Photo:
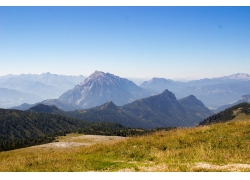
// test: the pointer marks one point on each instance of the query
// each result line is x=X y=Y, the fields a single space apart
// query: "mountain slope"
x=164 y=110
x=41 y=108
x=111 y=113
x=45 y=85
x=244 y=98
x=213 y=92
x=228 y=114
x=101 y=87
x=62 y=105
x=195 y=106
x=10 y=97
x=160 y=84
x=25 y=128
x=222 y=147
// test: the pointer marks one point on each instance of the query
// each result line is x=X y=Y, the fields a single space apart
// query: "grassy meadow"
x=221 y=147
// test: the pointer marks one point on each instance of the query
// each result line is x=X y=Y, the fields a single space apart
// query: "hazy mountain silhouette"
x=212 y=92
x=244 y=98
x=101 y=87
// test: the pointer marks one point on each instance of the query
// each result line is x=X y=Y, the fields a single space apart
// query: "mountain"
x=244 y=98
x=41 y=108
x=238 y=77
x=228 y=114
x=26 y=128
x=195 y=106
x=62 y=105
x=45 y=85
x=10 y=97
x=160 y=84
x=162 y=110
x=101 y=87
x=216 y=95
x=111 y=113
x=213 y=92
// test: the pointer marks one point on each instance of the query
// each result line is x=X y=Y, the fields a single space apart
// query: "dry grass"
x=219 y=147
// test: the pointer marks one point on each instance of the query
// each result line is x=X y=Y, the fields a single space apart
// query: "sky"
x=173 y=42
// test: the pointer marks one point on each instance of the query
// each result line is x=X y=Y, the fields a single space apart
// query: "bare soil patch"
x=82 y=140
x=228 y=167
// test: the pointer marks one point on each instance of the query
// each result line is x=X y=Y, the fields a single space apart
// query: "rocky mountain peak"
x=191 y=100
x=101 y=87
x=240 y=76
x=191 y=97
x=167 y=94
x=109 y=105
x=96 y=76
x=245 y=98
x=157 y=80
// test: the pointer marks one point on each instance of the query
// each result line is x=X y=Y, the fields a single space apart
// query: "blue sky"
x=170 y=42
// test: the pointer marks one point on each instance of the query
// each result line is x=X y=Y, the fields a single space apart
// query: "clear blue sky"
x=169 y=42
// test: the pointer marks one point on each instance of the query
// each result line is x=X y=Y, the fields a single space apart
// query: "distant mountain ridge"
x=10 y=97
x=228 y=114
x=212 y=92
x=48 y=109
x=162 y=110
x=62 y=105
x=165 y=110
x=101 y=87
x=244 y=98
x=45 y=85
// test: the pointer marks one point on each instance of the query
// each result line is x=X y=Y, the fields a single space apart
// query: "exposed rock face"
x=101 y=87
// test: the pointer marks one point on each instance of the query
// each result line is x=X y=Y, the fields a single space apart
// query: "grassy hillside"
x=217 y=147
x=228 y=114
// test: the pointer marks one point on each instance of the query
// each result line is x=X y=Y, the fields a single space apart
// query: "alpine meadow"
x=125 y=89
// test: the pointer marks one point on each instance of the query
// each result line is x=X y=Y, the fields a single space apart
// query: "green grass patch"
x=177 y=150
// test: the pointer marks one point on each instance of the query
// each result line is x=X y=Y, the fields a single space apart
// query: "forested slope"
x=21 y=128
x=227 y=114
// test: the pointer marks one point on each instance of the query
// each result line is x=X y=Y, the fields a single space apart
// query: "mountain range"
x=82 y=93
x=244 y=98
x=242 y=109
x=162 y=110
x=10 y=97
x=101 y=87
x=65 y=106
x=213 y=92
x=44 y=86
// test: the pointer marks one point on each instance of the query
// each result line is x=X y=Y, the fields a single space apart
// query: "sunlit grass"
x=208 y=148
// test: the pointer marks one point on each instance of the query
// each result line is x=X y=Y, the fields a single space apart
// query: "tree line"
x=22 y=129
